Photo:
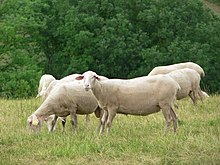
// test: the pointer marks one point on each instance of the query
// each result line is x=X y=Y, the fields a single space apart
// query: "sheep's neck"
x=97 y=90
x=43 y=111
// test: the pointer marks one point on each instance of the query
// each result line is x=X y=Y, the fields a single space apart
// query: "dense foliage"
x=117 y=38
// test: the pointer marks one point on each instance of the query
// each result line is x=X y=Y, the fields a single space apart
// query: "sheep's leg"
x=102 y=121
x=73 y=120
x=54 y=122
x=176 y=105
x=175 y=119
x=63 y=124
x=87 y=121
x=111 y=115
x=201 y=96
x=166 y=112
x=193 y=97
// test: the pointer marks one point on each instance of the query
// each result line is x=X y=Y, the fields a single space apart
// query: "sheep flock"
x=87 y=93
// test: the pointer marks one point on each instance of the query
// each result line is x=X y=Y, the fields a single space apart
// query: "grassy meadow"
x=133 y=139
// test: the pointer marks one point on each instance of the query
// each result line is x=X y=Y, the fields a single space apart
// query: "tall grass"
x=133 y=139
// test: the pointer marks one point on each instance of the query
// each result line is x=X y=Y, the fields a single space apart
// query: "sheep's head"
x=34 y=123
x=89 y=78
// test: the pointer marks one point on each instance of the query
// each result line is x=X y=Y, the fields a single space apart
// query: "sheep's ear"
x=79 y=77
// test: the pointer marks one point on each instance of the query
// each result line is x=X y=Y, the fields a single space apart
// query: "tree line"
x=115 y=38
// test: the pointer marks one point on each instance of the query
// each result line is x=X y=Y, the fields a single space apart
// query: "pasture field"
x=133 y=139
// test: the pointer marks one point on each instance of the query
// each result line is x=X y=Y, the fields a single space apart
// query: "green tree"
x=117 y=38
x=18 y=48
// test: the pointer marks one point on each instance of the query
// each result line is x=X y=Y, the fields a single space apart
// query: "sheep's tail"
x=201 y=94
x=203 y=73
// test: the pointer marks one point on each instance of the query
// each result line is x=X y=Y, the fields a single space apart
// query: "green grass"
x=133 y=140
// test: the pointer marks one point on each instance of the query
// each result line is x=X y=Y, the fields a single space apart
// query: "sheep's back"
x=72 y=95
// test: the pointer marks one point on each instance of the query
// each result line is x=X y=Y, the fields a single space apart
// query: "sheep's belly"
x=139 y=110
x=82 y=110
x=63 y=114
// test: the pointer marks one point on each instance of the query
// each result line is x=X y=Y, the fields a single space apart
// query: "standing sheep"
x=138 y=96
x=44 y=82
x=189 y=81
x=169 y=68
x=66 y=99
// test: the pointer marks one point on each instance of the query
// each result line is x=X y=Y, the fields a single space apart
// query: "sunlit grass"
x=133 y=140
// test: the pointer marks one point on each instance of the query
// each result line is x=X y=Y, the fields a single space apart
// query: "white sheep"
x=54 y=83
x=44 y=82
x=52 y=120
x=47 y=84
x=170 y=68
x=138 y=96
x=189 y=81
x=66 y=99
x=66 y=79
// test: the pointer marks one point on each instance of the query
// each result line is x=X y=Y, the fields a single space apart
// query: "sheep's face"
x=89 y=79
x=34 y=123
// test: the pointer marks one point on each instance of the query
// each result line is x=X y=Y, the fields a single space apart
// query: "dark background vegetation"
x=115 y=38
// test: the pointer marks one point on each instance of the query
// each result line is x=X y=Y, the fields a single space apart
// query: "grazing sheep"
x=138 y=96
x=47 y=84
x=66 y=99
x=44 y=82
x=170 y=68
x=189 y=81
x=52 y=120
